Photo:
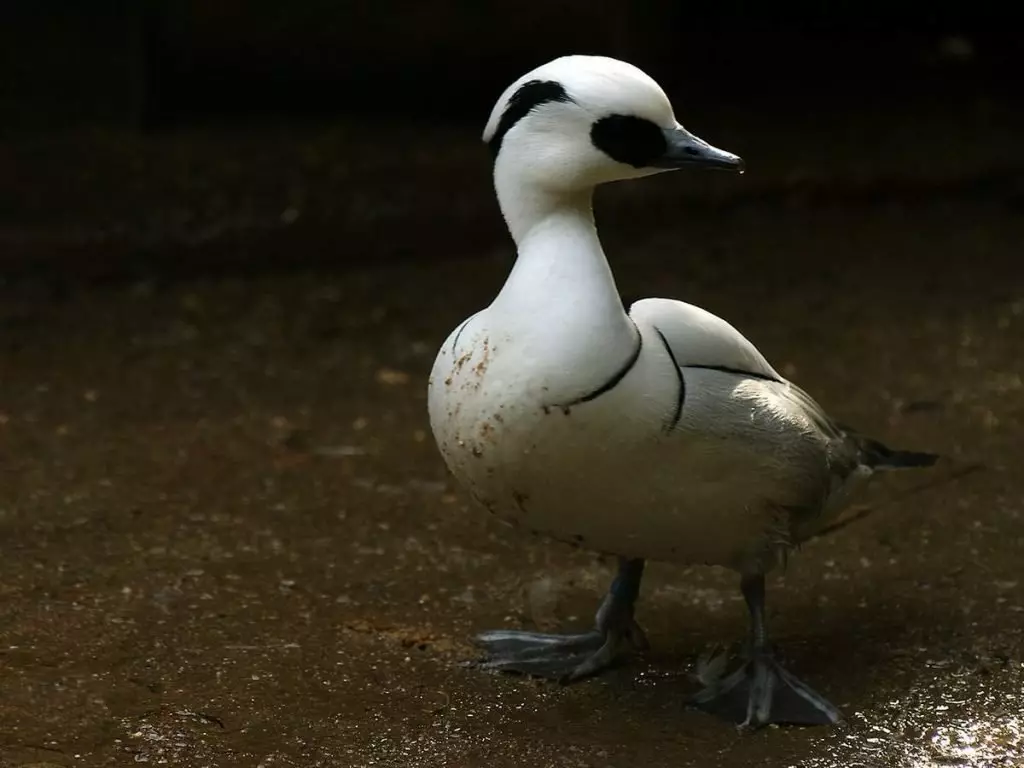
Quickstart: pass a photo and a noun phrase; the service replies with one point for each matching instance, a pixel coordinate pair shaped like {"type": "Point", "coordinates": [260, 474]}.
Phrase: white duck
{"type": "Point", "coordinates": [658, 433]}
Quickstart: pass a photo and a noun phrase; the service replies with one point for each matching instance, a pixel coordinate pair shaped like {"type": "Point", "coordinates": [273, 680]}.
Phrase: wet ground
{"type": "Point", "coordinates": [227, 539]}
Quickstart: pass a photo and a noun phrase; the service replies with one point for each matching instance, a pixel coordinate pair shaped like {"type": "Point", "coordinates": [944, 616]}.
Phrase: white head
{"type": "Point", "coordinates": [579, 121]}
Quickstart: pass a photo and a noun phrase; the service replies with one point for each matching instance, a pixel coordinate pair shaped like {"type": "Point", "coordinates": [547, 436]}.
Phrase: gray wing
{"type": "Point", "coordinates": [699, 339]}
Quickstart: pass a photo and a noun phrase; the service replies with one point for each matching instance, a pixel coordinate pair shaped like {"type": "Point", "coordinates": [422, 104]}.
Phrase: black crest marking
{"type": "Point", "coordinates": [529, 96]}
{"type": "Point", "coordinates": [629, 139]}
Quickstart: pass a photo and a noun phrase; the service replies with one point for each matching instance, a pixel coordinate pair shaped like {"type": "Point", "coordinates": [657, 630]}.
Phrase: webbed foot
{"type": "Point", "coordinates": [572, 657]}
{"type": "Point", "coordinates": [761, 691]}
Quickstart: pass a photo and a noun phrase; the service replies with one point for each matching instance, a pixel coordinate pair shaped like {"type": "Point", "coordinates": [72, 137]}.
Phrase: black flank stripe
{"type": "Point", "coordinates": [737, 372]}
{"type": "Point", "coordinates": [458, 333]}
{"type": "Point", "coordinates": [527, 98]}
{"type": "Point", "coordinates": [677, 414]}
{"type": "Point", "coordinates": [619, 375]}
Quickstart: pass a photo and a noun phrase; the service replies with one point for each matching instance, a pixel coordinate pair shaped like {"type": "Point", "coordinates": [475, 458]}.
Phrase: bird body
{"type": "Point", "coordinates": [653, 432]}
{"type": "Point", "coordinates": [638, 452]}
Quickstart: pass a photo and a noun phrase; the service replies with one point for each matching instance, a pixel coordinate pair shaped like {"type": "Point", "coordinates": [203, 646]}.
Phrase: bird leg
{"type": "Point", "coordinates": [568, 658]}
{"type": "Point", "coordinates": [761, 691]}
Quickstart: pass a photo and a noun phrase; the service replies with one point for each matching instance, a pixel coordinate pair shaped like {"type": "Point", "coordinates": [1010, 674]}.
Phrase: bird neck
{"type": "Point", "coordinates": [561, 275]}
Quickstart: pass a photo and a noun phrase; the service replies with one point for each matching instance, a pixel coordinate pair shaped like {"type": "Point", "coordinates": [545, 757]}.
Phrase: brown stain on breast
{"type": "Point", "coordinates": [479, 369]}
{"type": "Point", "coordinates": [485, 359]}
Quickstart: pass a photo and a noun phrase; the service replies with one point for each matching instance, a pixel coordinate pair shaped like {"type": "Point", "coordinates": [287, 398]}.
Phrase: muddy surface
{"type": "Point", "coordinates": [227, 538]}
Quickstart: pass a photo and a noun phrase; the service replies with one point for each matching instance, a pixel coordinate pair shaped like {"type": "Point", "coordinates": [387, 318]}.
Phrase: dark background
{"type": "Point", "coordinates": [161, 62]}
{"type": "Point", "coordinates": [184, 136]}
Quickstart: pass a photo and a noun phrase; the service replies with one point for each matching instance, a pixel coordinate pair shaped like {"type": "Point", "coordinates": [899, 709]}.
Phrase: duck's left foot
{"type": "Point", "coordinates": [761, 691]}
{"type": "Point", "coordinates": [572, 657]}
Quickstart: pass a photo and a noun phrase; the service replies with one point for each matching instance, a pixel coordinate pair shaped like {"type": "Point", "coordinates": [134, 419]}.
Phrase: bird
{"type": "Point", "coordinates": [654, 432]}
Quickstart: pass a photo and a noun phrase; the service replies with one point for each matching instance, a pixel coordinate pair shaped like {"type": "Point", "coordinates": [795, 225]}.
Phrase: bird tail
{"type": "Point", "coordinates": [876, 455]}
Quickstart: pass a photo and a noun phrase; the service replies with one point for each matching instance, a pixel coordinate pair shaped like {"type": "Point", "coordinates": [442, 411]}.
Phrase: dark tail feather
{"type": "Point", "coordinates": [878, 456]}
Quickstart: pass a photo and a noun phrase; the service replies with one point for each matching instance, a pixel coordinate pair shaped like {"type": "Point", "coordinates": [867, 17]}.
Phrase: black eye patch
{"type": "Point", "coordinates": [628, 139]}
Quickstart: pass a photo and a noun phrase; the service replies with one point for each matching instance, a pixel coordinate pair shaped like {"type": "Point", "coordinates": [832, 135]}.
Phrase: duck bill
{"type": "Point", "coordinates": [684, 150]}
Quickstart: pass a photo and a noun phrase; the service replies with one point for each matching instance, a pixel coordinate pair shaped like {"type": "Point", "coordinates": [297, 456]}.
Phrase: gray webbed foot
{"type": "Point", "coordinates": [760, 691]}
{"type": "Point", "coordinates": [571, 657]}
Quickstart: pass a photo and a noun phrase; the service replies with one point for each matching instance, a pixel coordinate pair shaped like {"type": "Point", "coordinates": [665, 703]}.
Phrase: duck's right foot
{"type": "Point", "coordinates": [761, 691]}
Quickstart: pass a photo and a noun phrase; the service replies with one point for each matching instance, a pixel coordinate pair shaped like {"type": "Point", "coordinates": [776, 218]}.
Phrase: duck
{"type": "Point", "coordinates": [654, 432]}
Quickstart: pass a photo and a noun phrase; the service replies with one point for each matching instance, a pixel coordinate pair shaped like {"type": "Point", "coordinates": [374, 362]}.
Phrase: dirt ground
{"type": "Point", "coordinates": [227, 538]}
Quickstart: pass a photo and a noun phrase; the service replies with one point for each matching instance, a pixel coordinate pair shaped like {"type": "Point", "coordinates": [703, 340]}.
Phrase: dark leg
{"type": "Point", "coordinates": [760, 691]}
{"type": "Point", "coordinates": [571, 657]}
